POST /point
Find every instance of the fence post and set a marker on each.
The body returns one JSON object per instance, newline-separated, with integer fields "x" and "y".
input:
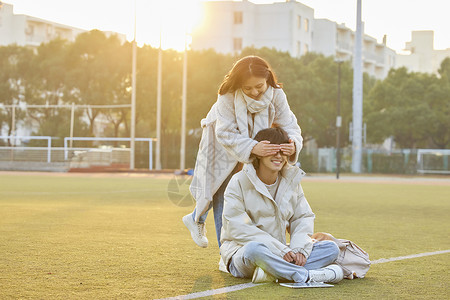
{"x": 369, "y": 161}
{"x": 65, "y": 149}
{"x": 49, "y": 149}
{"x": 72, "y": 116}
{"x": 150, "y": 157}
{"x": 406, "y": 153}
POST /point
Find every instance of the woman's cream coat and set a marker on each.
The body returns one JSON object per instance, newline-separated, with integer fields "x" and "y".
{"x": 222, "y": 145}
{"x": 251, "y": 214}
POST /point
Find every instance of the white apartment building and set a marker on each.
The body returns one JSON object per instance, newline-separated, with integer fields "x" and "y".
{"x": 230, "y": 26}
{"x": 422, "y": 56}
{"x": 26, "y": 30}
{"x": 332, "y": 39}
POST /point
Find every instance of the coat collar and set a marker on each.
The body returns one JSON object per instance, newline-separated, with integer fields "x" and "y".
{"x": 290, "y": 178}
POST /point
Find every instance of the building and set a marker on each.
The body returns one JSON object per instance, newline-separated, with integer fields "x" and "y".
{"x": 230, "y": 26}
{"x": 422, "y": 57}
{"x": 26, "y": 30}
{"x": 332, "y": 39}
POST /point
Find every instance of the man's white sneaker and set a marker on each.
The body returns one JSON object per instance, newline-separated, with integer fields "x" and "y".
{"x": 222, "y": 266}
{"x": 259, "y": 276}
{"x": 198, "y": 231}
{"x": 332, "y": 273}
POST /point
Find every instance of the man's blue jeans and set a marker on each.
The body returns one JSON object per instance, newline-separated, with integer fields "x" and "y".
{"x": 217, "y": 206}
{"x": 254, "y": 254}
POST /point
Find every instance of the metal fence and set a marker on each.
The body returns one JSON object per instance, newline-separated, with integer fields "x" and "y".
{"x": 401, "y": 161}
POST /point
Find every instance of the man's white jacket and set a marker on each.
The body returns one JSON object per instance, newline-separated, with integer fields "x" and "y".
{"x": 251, "y": 214}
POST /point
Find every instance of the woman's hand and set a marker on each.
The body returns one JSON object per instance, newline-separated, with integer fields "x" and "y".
{"x": 288, "y": 149}
{"x": 265, "y": 148}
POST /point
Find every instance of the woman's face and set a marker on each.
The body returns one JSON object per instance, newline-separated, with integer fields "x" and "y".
{"x": 255, "y": 87}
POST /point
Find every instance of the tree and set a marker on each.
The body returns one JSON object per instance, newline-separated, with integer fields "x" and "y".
{"x": 440, "y": 105}
{"x": 14, "y": 64}
{"x": 94, "y": 72}
{"x": 45, "y": 84}
{"x": 399, "y": 106}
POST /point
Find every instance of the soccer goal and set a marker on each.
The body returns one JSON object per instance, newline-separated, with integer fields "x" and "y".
{"x": 433, "y": 161}
{"x": 97, "y": 153}
{"x": 78, "y": 152}
{"x": 104, "y": 155}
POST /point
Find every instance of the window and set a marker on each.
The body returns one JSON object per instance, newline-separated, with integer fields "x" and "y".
{"x": 29, "y": 30}
{"x": 237, "y": 44}
{"x": 305, "y": 48}
{"x": 299, "y": 22}
{"x": 238, "y": 18}
{"x": 306, "y": 26}
{"x": 299, "y": 49}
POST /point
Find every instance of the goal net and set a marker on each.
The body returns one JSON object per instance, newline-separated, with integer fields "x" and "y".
{"x": 433, "y": 161}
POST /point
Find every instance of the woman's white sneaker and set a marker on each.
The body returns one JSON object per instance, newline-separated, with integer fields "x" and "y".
{"x": 198, "y": 231}
{"x": 332, "y": 274}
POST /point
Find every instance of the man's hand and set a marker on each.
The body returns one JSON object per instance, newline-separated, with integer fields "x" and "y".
{"x": 300, "y": 259}
{"x": 295, "y": 258}
{"x": 265, "y": 148}
{"x": 288, "y": 149}
{"x": 290, "y": 257}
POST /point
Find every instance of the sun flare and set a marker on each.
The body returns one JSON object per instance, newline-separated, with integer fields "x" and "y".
{"x": 174, "y": 19}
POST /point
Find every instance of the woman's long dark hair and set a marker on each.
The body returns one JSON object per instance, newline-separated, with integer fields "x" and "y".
{"x": 245, "y": 68}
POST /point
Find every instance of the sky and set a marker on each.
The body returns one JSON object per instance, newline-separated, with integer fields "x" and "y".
{"x": 395, "y": 18}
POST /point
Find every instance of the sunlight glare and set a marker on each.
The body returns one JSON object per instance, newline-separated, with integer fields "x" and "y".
{"x": 174, "y": 18}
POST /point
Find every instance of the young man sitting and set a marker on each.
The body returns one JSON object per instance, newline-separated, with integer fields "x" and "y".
{"x": 263, "y": 201}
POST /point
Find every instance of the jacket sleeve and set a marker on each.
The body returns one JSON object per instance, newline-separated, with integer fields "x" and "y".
{"x": 301, "y": 226}
{"x": 227, "y": 133}
{"x": 286, "y": 119}
{"x": 238, "y": 226}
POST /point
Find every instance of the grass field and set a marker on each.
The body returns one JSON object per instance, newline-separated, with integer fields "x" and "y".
{"x": 119, "y": 237}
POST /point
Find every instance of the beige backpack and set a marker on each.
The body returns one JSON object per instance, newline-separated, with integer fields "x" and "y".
{"x": 353, "y": 260}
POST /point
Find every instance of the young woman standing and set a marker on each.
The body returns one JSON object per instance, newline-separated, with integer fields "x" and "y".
{"x": 250, "y": 99}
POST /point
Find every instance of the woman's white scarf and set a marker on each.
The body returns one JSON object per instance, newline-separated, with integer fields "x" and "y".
{"x": 252, "y": 115}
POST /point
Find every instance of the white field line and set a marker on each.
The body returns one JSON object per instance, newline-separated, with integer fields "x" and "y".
{"x": 214, "y": 292}
{"x": 238, "y": 287}
{"x": 73, "y": 192}
{"x": 385, "y": 260}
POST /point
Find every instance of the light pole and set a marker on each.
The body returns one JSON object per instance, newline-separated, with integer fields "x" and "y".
{"x": 183, "y": 108}
{"x": 338, "y": 121}
{"x": 158, "y": 105}
{"x": 133, "y": 95}
{"x": 357, "y": 95}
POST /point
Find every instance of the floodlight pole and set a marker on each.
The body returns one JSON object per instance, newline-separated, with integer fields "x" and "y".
{"x": 338, "y": 121}
{"x": 183, "y": 109}
{"x": 133, "y": 96}
{"x": 357, "y": 95}
{"x": 158, "y": 107}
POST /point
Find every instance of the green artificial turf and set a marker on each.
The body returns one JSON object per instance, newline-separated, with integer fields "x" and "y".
{"x": 94, "y": 237}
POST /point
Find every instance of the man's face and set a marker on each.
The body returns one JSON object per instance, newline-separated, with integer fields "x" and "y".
{"x": 273, "y": 163}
